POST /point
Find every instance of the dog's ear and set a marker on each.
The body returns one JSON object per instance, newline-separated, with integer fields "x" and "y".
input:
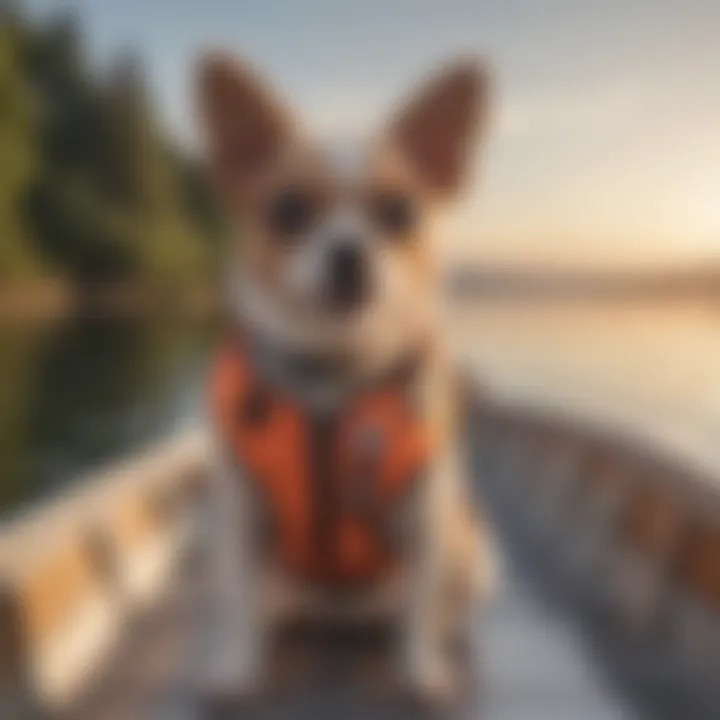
{"x": 244, "y": 123}
{"x": 436, "y": 130}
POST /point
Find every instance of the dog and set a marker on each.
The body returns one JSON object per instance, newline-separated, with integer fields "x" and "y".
{"x": 340, "y": 493}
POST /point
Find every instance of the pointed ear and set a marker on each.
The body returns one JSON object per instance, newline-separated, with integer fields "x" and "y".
{"x": 243, "y": 122}
{"x": 437, "y": 129}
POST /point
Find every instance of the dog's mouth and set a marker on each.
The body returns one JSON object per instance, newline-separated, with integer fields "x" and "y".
{"x": 343, "y": 300}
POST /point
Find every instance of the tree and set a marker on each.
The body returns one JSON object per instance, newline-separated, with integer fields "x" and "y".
{"x": 18, "y": 148}
{"x": 71, "y": 208}
{"x": 91, "y": 189}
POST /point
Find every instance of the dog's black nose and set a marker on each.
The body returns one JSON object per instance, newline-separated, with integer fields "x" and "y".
{"x": 348, "y": 275}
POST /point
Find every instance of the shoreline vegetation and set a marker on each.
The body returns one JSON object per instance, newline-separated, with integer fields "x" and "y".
{"x": 100, "y": 207}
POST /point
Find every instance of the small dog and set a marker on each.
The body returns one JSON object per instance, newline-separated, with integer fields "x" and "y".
{"x": 340, "y": 495}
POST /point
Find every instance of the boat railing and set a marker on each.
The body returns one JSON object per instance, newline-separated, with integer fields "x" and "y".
{"x": 632, "y": 531}
{"x": 635, "y": 534}
{"x": 73, "y": 570}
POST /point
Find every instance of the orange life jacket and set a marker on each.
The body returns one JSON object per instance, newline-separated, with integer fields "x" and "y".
{"x": 331, "y": 484}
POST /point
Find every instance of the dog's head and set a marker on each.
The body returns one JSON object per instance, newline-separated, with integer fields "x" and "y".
{"x": 334, "y": 243}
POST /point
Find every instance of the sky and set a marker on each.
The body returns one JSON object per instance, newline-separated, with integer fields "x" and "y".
{"x": 604, "y": 147}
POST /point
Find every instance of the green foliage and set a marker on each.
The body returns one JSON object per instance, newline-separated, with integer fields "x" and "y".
{"x": 91, "y": 190}
{"x": 18, "y": 149}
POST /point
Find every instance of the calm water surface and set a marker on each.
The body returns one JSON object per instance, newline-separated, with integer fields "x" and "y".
{"x": 76, "y": 394}
{"x": 648, "y": 369}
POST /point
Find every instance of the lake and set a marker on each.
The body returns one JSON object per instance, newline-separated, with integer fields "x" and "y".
{"x": 76, "y": 394}
{"x": 644, "y": 368}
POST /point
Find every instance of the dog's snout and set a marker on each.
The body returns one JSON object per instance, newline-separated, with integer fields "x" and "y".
{"x": 349, "y": 280}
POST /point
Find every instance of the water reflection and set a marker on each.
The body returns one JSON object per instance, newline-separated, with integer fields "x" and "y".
{"x": 77, "y": 393}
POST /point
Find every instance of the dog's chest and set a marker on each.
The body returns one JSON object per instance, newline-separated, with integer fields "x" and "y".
{"x": 333, "y": 482}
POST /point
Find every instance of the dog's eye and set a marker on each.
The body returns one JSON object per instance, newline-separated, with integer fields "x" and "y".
{"x": 292, "y": 212}
{"x": 394, "y": 212}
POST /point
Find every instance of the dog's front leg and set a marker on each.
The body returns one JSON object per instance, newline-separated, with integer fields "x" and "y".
{"x": 426, "y": 662}
{"x": 236, "y": 620}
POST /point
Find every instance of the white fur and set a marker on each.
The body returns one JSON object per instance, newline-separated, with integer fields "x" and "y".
{"x": 449, "y": 561}
{"x": 396, "y": 315}
{"x": 234, "y": 606}
{"x": 247, "y": 599}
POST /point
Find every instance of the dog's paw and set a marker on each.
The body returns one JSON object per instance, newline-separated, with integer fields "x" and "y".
{"x": 432, "y": 682}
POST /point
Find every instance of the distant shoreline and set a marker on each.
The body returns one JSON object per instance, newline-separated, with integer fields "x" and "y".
{"x": 50, "y": 299}
{"x": 598, "y": 284}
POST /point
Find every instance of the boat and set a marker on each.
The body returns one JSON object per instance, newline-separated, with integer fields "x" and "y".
{"x": 608, "y": 605}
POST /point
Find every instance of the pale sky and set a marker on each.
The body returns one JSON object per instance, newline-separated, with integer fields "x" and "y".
{"x": 606, "y": 138}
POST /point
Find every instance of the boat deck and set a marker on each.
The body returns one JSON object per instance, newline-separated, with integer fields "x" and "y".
{"x": 544, "y": 650}
{"x": 533, "y": 663}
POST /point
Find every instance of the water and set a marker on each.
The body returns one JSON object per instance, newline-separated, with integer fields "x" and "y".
{"x": 74, "y": 395}
{"x": 648, "y": 369}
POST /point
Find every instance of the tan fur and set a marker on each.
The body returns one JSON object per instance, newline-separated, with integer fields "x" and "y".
{"x": 455, "y": 98}
{"x": 307, "y": 168}
{"x": 245, "y": 125}
{"x": 255, "y": 151}
{"x": 239, "y": 112}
